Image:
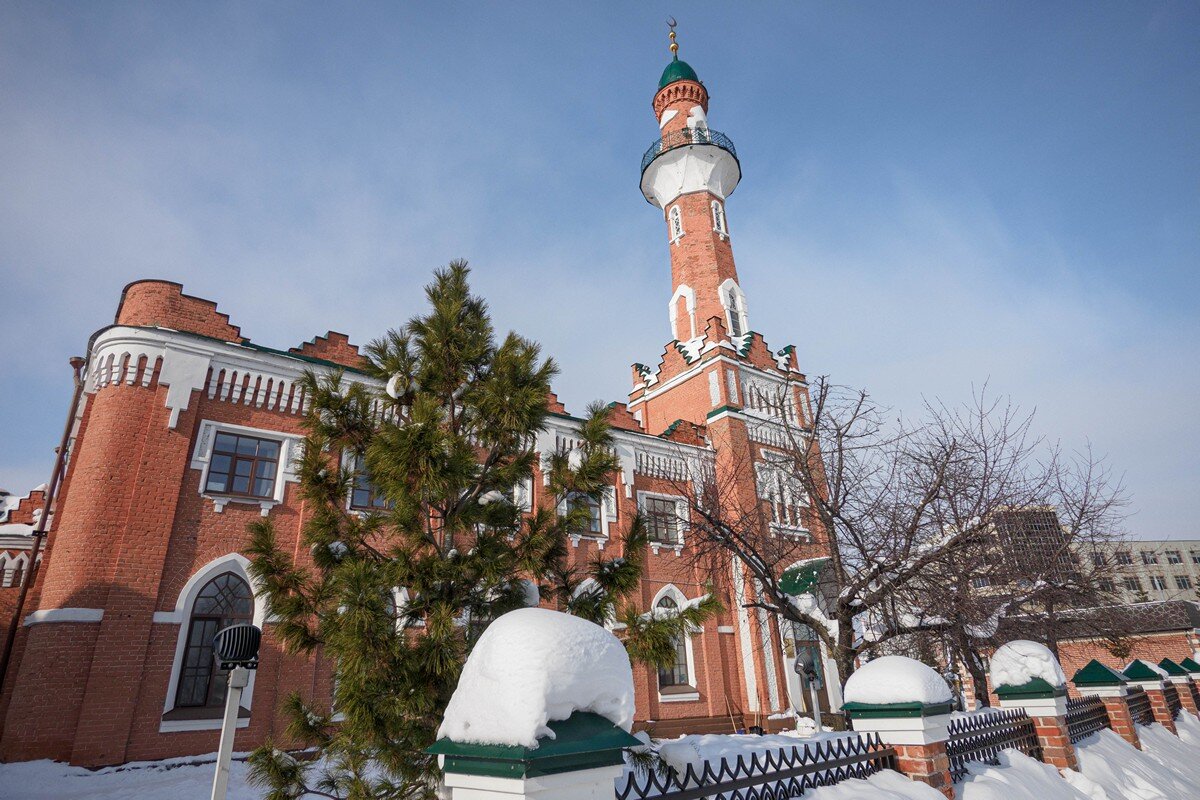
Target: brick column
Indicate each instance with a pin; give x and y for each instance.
(1047, 706)
(1109, 685)
(1155, 690)
(917, 732)
(1185, 689)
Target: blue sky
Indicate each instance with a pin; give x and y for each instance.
(934, 195)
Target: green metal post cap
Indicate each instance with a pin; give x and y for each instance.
(582, 741)
(1036, 688)
(1094, 673)
(1141, 671)
(677, 71)
(895, 710)
(1189, 665)
(1172, 668)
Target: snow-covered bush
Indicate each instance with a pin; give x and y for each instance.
(533, 666)
(896, 679)
(1021, 661)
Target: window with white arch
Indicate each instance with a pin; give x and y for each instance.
(734, 302)
(718, 216)
(676, 681)
(675, 218)
(12, 569)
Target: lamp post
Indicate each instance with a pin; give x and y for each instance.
(806, 667)
(236, 650)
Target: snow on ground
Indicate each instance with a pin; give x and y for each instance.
(173, 779)
(1188, 725)
(1018, 777)
(1020, 661)
(1122, 771)
(532, 666)
(886, 785)
(896, 679)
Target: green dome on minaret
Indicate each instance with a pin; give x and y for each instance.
(677, 71)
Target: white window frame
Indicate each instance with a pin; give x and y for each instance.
(720, 226)
(608, 514)
(689, 296)
(181, 616)
(681, 600)
(727, 288)
(8, 564)
(772, 486)
(285, 469)
(681, 513)
(675, 223)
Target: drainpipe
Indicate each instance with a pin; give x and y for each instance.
(39, 533)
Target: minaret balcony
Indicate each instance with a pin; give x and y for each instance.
(688, 160)
(685, 137)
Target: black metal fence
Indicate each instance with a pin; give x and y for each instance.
(771, 775)
(1085, 716)
(1174, 705)
(684, 137)
(1139, 706)
(981, 737)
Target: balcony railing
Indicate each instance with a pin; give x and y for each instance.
(685, 137)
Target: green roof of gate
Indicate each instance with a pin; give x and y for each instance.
(1190, 665)
(1139, 670)
(802, 579)
(895, 710)
(1038, 687)
(677, 71)
(1172, 668)
(582, 741)
(1094, 673)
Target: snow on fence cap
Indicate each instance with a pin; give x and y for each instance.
(533, 666)
(896, 679)
(1021, 661)
(1133, 665)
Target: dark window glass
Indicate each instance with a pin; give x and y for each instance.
(224, 601)
(1174, 557)
(243, 465)
(1124, 558)
(1133, 584)
(593, 526)
(1183, 582)
(1149, 558)
(677, 673)
(662, 520)
(364, 496)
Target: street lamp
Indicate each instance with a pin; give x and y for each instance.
(236, 649)
(806, 667)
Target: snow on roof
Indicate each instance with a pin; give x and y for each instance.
(533, 666)
(1020, 661)
(896, 679)
(16, 529)
(1149, 665)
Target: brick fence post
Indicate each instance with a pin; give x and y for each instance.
(1046, 705)
(918, 733)
(1150, 678)
(1193, 669)
(1109, 685)
(1177, 674)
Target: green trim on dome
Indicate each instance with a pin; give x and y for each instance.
(677, 71)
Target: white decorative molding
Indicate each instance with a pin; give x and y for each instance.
(724, 629)
(47, 615)
(290, 445)
(700, 167)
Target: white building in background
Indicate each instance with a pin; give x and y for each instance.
(1155, 570)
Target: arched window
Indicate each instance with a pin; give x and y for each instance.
(224, 601)
(735, 313)
(676, 217)
(718, 214)
(677, 673)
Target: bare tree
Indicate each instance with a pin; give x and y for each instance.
(909, 513)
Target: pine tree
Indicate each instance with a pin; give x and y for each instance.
(446, 450)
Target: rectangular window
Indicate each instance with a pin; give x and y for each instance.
(662, 520)
(1183, 582)
(364, 497)
(1106, 585)
(592, 527)
(1149, 558)
(243, 465)
(1174, 557)
(1124, 558)
(1195, 554)
(1133, 584)
(1158, 582)
(981, 582)
(1098, 559)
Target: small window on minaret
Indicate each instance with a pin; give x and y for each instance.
(676, 223)
(719, 218)
(735, 314)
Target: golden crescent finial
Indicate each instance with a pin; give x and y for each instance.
(671, 23)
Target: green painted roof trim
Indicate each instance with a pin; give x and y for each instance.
(582, 741)
(1189, 665)
(1094, 673)
(1036, 688)
(1140, 671)
(895, 710)
(1172, 668)
(677, 71)
(802, 579)
(722, 410)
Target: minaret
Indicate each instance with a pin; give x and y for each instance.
(688, 174)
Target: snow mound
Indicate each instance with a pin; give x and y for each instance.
(1019, 777)
(1020, 661)
(1122, 771)
(885, 785)
(896, 679)
(533, 666)
(1150, 664)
